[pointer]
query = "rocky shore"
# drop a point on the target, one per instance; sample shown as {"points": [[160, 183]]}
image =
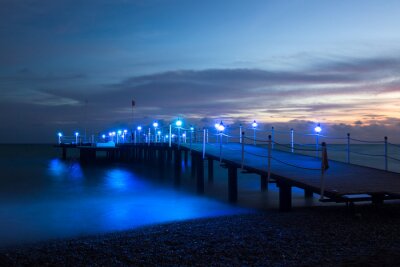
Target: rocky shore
{"points": [[325, 236]]}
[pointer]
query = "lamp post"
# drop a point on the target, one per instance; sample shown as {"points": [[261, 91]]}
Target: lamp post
{"points": [[76, 138], [191, 137], [254, 125], [139, 128], [119, 133], [317, 130], [159, 136], [217, 128], [124, 135], [59, 138], [221, 128], [155, 125], [178, 124]]}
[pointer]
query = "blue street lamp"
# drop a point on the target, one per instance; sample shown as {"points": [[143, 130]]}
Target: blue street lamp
{"points": [[59, 138], [139, 128], [178, 124], [76, 137], [221, 127], [254, 125], [317, 130], [155, 125]]}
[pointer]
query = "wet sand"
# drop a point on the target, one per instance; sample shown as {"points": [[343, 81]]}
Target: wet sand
{"points": [[328, 236]]}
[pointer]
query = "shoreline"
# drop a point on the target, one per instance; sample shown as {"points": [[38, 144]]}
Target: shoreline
{"points": [[332, 236]]}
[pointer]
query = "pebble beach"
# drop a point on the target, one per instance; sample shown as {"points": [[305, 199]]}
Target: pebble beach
{"points": [[367, 235]]}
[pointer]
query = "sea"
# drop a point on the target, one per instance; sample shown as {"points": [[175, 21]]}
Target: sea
{"points": [[43, 197]]}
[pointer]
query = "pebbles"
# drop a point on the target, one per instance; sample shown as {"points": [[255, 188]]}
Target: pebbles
{"points": [[329, 236]]}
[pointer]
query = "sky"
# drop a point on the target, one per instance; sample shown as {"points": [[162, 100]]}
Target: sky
{"points": [[70, 65]]}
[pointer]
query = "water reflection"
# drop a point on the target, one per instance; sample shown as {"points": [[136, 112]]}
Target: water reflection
{"points": [[122, 180], [60, 169], [67, 200]]}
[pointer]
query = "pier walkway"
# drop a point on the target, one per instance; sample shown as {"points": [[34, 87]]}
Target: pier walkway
{"points": [[342, 182]]}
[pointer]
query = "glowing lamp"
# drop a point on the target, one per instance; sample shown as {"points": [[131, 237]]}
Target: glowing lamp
{"points": [[191, 128], [103, 136], [113, 133], [125, 131], [159, 132], [139, 128], [221, 127], [110, 133], [119, 132], [183, 135], [155, 124], [76, 134], [178, 123], [254, 124], [166, 136], [59, 134], [216, 126], [318, 129]]}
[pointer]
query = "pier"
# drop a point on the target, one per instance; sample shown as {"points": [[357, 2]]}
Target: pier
{"points": [[331, 180]]}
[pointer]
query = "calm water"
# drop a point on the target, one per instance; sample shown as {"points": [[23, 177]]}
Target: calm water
{"points": [[43, 197]]}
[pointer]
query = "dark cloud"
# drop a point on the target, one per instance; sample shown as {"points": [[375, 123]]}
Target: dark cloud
{"points": [[203, 96]]}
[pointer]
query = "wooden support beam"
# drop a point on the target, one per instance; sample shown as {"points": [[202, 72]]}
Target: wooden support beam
{"points": [[193, 164], [200, 173], [186, 157], [169, 154], [264, 182], [210, 170], [178, 166], [64, 153], [308, 193], [285, 196], [232, 183]]}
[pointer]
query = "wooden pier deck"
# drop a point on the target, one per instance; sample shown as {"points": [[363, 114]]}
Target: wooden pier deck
{"points": [[342, 182]]}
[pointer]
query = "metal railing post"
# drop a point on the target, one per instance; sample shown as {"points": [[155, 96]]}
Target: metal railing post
{"points": [[254, 136], [191, 137], [242, 134], [204, 143], [179, 137], [386, 153], [220, 147], [272, 137], [348, 148], [269, 157], [149, 140], [324, 161], [170, 136], [292, 139]]}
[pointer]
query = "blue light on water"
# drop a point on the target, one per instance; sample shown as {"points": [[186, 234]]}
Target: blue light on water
{"points": [[60, 169], [122, 180], [56, 167]]}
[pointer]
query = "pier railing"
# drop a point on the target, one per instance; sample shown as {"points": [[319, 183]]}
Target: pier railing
{"points": [[343, 148]]}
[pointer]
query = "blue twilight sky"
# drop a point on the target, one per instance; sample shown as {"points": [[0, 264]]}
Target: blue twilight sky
{"points": [[290, 63]]}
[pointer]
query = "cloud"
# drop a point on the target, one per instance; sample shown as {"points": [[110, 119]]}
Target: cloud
{"points": [[354, 95], [334, 89]]}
